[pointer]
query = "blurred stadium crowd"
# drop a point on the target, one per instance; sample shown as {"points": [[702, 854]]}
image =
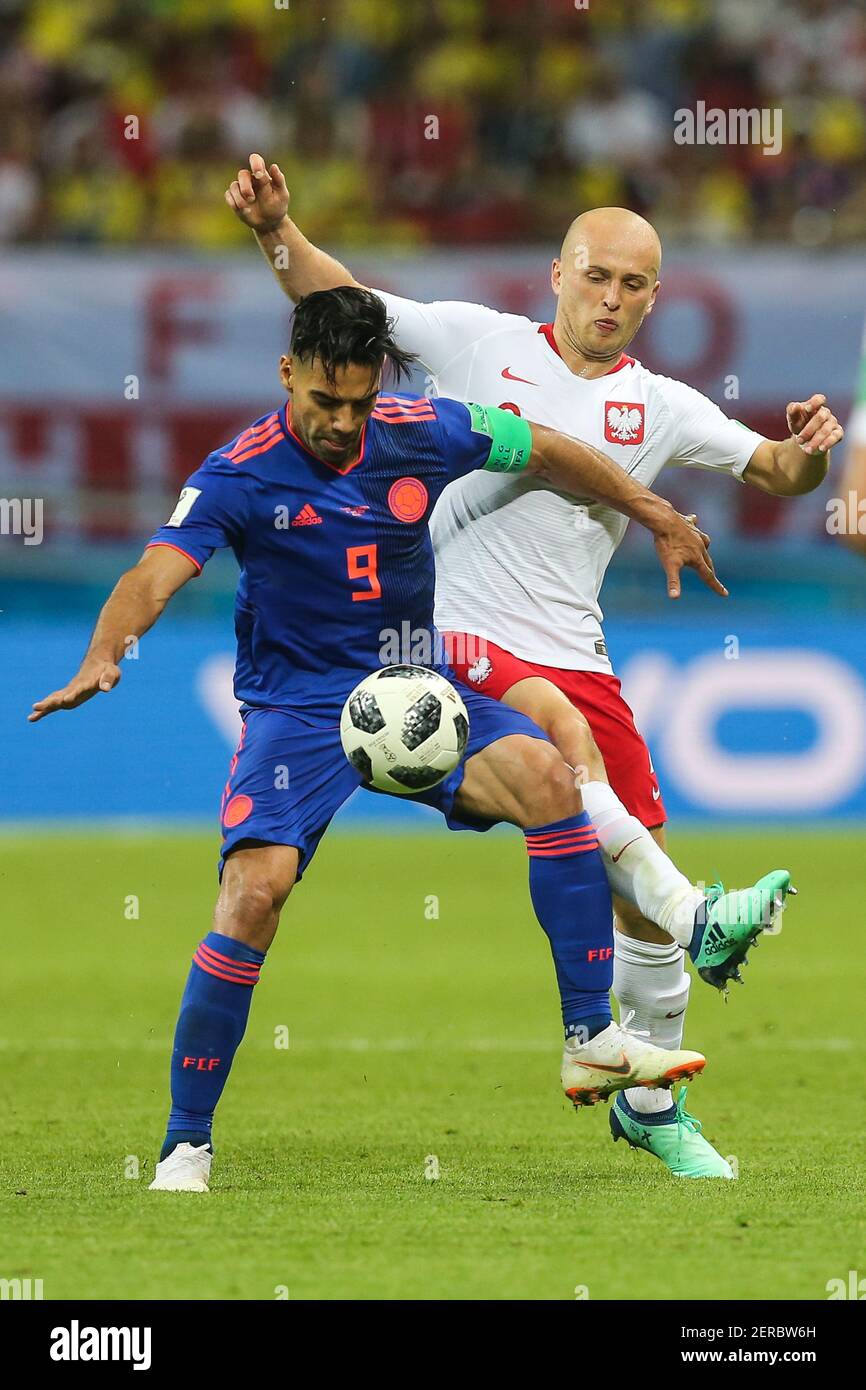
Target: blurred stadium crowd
{"points": [[541, 107]]}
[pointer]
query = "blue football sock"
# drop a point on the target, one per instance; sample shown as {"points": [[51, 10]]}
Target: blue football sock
{"points": [[213, 1016], [571, 897]]}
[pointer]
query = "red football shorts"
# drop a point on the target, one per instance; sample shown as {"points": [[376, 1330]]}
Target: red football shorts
{"points": [[486, 667]]}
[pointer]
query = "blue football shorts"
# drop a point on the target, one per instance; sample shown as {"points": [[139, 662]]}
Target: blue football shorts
{"points": [[289, 776]]}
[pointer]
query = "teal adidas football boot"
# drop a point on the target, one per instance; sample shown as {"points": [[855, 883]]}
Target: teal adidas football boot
{"points": [[672, 1135], [732, 924]]}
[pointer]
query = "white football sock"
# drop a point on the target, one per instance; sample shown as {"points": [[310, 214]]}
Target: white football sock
{"points": [[637, 868], [651, 983]]}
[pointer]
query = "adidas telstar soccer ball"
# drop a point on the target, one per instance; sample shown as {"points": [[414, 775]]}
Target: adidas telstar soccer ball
{"points": [[404, 728]]}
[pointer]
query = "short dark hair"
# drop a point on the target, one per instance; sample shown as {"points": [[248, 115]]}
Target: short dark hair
{"points": [[347, 325]]}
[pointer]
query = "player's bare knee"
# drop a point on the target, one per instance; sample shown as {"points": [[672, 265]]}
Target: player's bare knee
{"points": [[631, 922], [628, 917], [548, 792], [246, 898], [570, 730], [578, 724], [250, 900]]}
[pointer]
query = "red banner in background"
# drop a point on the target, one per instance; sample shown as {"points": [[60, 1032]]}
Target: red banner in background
{"points": [[112, 472]]}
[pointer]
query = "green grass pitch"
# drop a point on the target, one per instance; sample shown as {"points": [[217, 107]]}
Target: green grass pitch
{"points": [[413, 1037]]}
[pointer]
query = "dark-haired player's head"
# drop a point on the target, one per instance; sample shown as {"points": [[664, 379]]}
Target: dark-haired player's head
{"points": [[340, 348]]}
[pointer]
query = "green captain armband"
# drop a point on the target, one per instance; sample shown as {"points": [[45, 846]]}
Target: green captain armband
{"points": [[509, 434]]}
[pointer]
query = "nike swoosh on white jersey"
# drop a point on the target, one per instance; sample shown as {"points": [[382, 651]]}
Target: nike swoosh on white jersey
{"points": [[509, 376]]}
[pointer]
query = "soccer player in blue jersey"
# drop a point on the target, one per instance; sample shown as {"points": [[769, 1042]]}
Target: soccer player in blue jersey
{"points": [[324, 502]]}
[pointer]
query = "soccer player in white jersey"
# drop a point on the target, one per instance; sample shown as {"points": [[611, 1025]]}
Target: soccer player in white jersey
{"points": [[519, 570], [851, 526]]}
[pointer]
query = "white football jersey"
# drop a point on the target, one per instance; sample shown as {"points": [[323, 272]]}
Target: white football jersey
{"points": [[517, 563]]}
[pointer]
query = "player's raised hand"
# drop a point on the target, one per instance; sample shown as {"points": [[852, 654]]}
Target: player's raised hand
{"points": [[96, 675], [813, 425], [259, 196], [682, 544]]}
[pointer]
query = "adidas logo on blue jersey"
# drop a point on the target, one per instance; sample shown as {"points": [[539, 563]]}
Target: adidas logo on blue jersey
{"points": [[307, 516]]}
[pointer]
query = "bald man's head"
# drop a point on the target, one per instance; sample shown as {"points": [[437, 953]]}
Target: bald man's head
{"points": [[606, 279], [618, 231]]}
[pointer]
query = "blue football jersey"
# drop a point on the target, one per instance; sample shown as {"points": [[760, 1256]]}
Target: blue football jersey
{"points": [[333, 562]]}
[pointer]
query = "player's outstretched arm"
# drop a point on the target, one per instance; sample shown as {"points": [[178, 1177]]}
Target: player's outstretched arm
{"points": [[578, 468], [138, 599], [260, 198], [796, 465]]}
